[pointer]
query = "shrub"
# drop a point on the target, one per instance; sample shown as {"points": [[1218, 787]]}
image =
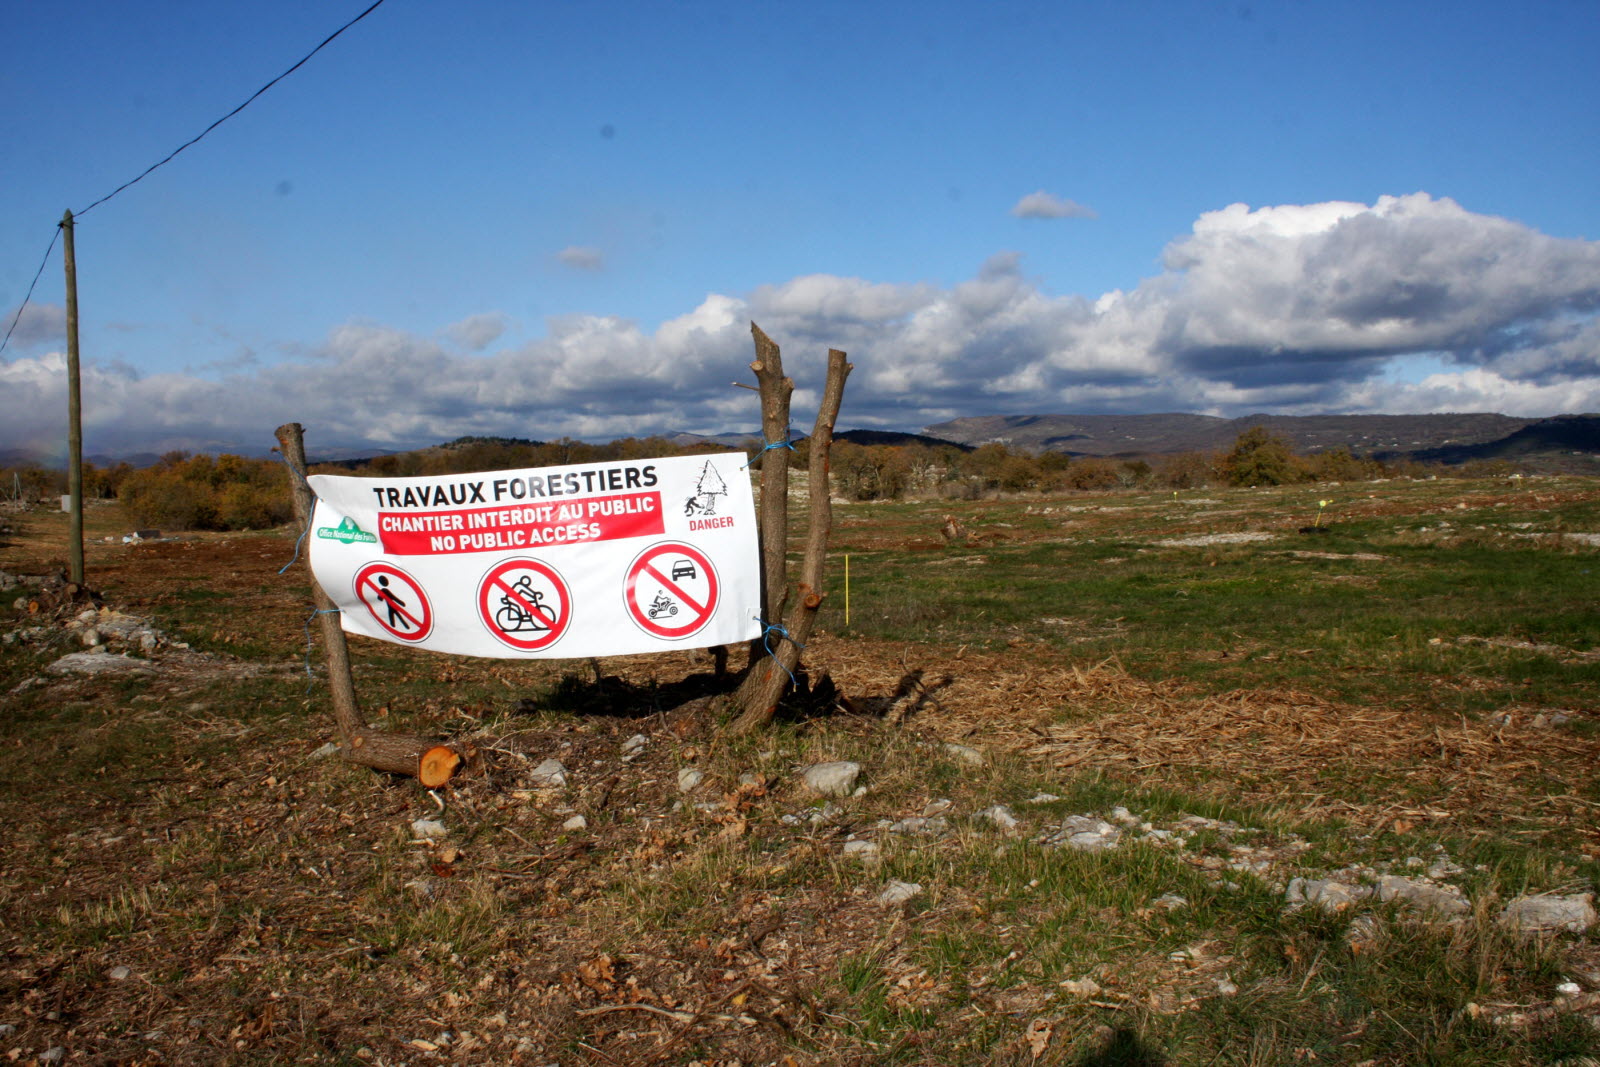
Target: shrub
{"points": [[1260, 457], [1338, 465], [227, 492], [1187, 470], [156, 499], [1093, 472]]}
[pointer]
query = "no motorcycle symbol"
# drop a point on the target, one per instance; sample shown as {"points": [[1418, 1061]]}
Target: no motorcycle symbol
{"points": [[525, 604], [396, 600], [671, 590]]}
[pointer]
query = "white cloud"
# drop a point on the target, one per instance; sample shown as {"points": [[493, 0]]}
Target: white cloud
{"points": [[36, 324], [1043, 205], [1298, 309], [477, 332], [581, 257]]}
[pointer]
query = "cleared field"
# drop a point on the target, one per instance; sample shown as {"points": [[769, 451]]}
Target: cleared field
{"points": [[1101, 735]]}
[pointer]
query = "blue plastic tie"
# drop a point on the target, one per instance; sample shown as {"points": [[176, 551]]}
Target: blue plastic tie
{"points": [[767, 630], [298, 541], [768, 447]]}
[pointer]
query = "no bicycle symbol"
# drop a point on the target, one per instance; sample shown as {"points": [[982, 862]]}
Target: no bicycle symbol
{"points": [[396, 601], [671, 590], [525, 604]]}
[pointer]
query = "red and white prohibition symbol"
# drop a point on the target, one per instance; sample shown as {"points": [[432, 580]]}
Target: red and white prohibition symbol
{"points": [[396, 601], [671, 590], [525, 603]]}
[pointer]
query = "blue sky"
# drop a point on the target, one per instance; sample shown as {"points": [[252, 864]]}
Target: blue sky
{"points": [[538, 219]]}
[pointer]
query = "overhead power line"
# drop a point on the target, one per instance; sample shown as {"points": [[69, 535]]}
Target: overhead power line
{"points": [[196, 138], [20, 307], [173, 155]]}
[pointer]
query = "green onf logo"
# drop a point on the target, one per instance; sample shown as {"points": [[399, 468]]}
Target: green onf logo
{"points": [[347, 532]]}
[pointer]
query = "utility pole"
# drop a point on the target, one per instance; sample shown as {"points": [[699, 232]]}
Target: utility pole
{"points": [[74, 409]]}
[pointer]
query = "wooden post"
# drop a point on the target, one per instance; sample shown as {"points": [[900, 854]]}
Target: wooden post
{"points": [[758, 695], [69, 260], [420, 757], [773, 522]]}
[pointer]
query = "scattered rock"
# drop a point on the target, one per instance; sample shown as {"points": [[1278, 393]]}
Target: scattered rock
{"points": [[965, 754], [835, 779], [936, 807], [1325, 893], [916, 824], [577, 822], [120, 973], [633, 747], [1002, 817], [1568, 989], [428, 829], [1550, 913], [1438, 899], [53, 1055], [1363, 934], [1226, 987], [98, 662], [689, 779], [329, 749], [1081, 987], [551, 774], [1443, 867], [861, 849], [1170, 902], [1200, 822], [899, 892], [1042, 798], [1123, 817], [1085, 833]]}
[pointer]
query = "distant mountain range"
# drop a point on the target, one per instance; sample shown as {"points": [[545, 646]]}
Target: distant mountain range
{"points": [[1562, 442]]}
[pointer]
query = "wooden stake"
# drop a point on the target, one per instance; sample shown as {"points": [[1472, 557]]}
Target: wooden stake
{"points": [[419, 757]]}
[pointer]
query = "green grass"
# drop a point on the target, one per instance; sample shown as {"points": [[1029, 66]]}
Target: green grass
{"points": [[1227, 616]]}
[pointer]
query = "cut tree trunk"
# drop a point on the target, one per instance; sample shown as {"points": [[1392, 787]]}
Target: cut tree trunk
{"points": [[758, 695], [773, 522], [419, 757]]}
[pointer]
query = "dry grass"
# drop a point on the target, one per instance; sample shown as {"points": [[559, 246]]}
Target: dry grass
{"points": [[274, 907]]}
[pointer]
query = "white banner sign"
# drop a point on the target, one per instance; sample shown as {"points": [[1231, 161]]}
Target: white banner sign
{"points": [[597, 559]]}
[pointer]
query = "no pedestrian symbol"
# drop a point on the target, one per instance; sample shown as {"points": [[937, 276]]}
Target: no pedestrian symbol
{"points": [[525, 603], [671, 590], [396, 601]]}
